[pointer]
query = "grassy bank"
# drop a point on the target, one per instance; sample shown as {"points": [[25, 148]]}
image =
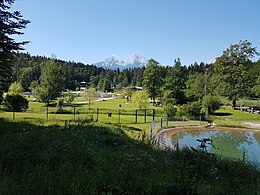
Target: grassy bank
{"points": [[39, 158], [227, 116]]}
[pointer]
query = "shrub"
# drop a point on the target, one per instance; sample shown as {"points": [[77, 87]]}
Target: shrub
{"points": [[191, 109], [212, 103], [170, 110], [15, 103]]}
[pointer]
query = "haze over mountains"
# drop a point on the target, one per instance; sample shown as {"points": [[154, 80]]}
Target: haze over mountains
{"points": [[135, 61]]}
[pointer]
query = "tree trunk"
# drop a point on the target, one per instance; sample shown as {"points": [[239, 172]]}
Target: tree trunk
{"points": [[234, 103]]}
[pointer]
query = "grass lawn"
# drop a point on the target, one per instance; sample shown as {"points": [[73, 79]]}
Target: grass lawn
{"points": [[113, 104], [227, 116], [40, 158]]}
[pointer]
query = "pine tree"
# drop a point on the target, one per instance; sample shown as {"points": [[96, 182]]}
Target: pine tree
{"points": [[11, 23]]}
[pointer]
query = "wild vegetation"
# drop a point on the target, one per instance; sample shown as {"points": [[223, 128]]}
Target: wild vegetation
{"points": [[102, 159]]}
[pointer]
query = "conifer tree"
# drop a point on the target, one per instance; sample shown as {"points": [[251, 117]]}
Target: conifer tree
{"points": [[11, 23]]}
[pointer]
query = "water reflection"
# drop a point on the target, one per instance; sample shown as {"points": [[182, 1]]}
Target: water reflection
{"points": [[233, 144]]}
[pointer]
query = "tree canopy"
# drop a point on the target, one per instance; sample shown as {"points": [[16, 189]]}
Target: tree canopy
{"points": [[175, 82], [232, 68], [153, 79], [51, 82]]}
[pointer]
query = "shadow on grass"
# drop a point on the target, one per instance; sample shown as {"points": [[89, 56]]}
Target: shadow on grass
{"points": [[129, 128], [12, 127], [102, 159], [221, 114]]}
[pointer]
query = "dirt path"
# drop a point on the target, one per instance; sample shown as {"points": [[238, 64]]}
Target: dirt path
{"points": [[251, 124]]}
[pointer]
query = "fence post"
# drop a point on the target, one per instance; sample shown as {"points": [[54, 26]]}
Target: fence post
{"points": [[151, 131], [74, 113], [97, 114], [153, 114], [47, 112], [167, 123], [161, 122], [144, 115], [119, 116], [13, 115], [135, 116]]}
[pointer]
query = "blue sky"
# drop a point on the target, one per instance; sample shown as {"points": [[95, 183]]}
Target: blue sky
{"points": [[89, 31]]}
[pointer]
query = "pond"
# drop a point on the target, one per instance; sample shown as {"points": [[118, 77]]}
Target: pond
{"points": [[233, 144]]}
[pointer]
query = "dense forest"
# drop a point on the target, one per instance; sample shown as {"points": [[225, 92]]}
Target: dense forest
{"points": [[27, 68]]}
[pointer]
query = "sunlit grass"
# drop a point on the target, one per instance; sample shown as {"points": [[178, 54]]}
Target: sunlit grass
{"points": [[227, 116]]}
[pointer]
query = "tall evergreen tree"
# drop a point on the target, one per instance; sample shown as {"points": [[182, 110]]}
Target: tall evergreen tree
{"points": [[11, 23]]}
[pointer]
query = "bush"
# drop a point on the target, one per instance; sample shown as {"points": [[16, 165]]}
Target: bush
{"points": [[140, 99], [15, 103], [191, 109], [212, 103], [170, 110]]}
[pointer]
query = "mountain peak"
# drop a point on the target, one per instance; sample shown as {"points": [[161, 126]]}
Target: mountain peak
{"points": [[137, 58], [135, 61]]}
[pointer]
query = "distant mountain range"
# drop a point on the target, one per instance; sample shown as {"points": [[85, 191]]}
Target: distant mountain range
{"points": [[135, 61]]}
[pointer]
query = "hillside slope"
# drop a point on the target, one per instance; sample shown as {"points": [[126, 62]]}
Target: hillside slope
{"points": [[102, 159]]}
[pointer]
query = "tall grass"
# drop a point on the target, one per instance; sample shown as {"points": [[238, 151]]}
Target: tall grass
{"points": [[66, 158]]}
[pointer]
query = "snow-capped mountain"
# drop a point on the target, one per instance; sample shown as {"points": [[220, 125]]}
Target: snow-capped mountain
{"points": [[135, 61]]}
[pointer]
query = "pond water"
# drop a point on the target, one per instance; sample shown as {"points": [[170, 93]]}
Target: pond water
{"points": [[234, 144]]}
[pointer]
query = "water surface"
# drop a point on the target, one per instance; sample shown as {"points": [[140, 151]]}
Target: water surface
{"points": [[233, 144]]}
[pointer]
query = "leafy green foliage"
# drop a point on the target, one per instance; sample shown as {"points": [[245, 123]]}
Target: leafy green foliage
{"points": [[15, 88], [51, 82], [167, 98], [191, 109], [140, 99], [89, 95], [15, 103], [175, 82], [69, 97], [232, 67], [195, 87], [153, 79], [211, 103], [170, 110]]}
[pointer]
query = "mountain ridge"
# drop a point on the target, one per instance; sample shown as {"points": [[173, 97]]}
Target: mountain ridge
{"points": [[135, 61]]}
